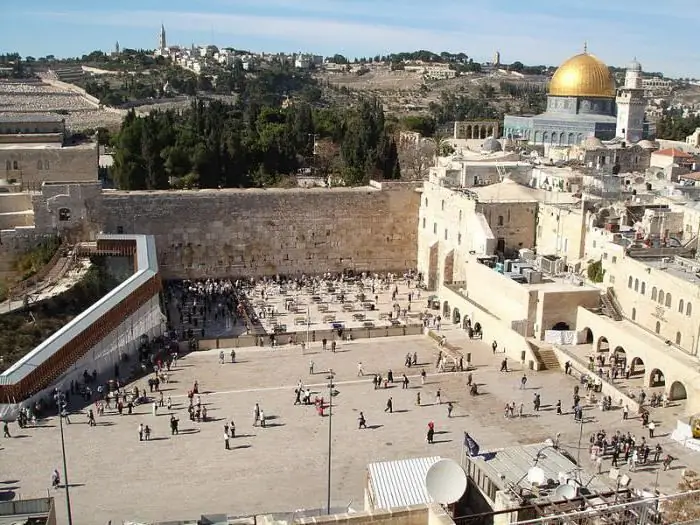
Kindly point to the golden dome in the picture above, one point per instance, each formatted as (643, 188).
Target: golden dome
(582, 76)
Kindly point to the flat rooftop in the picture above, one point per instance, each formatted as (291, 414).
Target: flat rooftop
(679, 267)
(30, 117)
(508, 467)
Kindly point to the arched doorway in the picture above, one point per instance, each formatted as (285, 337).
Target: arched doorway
(588, 333)
(636, 367)
(619, 357)
(456, 317)
(446, 310)
(677, 391)
(561, 325)
(603, 345)
(657, 378)
(465, 322)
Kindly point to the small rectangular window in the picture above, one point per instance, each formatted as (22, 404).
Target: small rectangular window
(459, 238)
(423, 222)
(614, 259)
(445, 233)
(435, 227)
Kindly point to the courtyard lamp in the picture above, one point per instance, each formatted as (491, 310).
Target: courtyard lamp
(60, 398)
(330, 436)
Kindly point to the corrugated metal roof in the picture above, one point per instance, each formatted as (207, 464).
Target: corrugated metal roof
(147, 267)
(514, 462)
(400, 483)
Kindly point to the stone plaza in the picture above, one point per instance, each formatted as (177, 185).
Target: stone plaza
(283, 467)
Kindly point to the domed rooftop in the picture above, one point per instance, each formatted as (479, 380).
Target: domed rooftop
(491, 145)
(647, 144)
(592, 143)
(634, 66)
(583, 75)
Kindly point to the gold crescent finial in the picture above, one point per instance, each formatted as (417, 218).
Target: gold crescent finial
(585, 46)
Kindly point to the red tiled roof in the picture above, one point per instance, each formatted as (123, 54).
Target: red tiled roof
(673, 152)
(691, 176)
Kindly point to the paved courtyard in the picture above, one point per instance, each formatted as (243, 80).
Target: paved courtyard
(115, 477)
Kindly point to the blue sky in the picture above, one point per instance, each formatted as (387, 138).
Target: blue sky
(661, 34)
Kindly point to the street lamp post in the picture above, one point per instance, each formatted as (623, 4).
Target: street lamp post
(61, 400)
(330, 436)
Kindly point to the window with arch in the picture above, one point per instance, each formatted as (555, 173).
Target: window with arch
(15, 165)
(688, 309)
(634, 314)
(508, 214)
(680, 306)
(39, 165)
(653, 293)
(435, 227)
(661, 297)
(46, 164)
(423, 222)
(658, 327)
(668, 300)
(629, 282)
(426, 202)
(500, 220)
(442, 205)
(644, 288)
(678, 338)
(636, 285)
(460, 215)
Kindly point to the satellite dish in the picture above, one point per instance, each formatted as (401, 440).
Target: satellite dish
(565, 492)
(536, 476)
(446, 481)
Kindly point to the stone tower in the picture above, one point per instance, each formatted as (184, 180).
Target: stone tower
(116, 48)
(631, 105)
(162, 43)
(497, 58)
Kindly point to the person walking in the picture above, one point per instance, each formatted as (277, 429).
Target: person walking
(651, 427)
(170, 403)
(438, 399)
(226, 444)
(262, 418)
(389, 406)
(360, 370)
(422, 376)
(155, 408)
(404, 382)
(6, 430)
(233, 356)
(431, 432)
(657, 452)
(311, 368)
(450, 407)
(417, 398)
(361, 421)
(140, 431)
(625, 413)
(256, 414)
(504, 365)
(559, 407)
(523, 382)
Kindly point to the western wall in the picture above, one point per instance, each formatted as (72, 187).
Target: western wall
(250, 232)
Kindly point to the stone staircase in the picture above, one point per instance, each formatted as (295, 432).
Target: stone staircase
(546, 358)
(608, 305)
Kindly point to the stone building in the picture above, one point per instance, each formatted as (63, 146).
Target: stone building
(34, 149)
(581, 103)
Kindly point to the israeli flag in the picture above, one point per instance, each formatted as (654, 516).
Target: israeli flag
(471, 445)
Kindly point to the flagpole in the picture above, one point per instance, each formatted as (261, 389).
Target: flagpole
(461, 459)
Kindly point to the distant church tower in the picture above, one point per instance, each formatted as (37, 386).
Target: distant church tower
(497, 58)
(162, 43)
(116, 48)
(631, 105)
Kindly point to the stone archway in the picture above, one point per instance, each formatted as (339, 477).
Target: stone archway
(589, 336)
(561, 326)
(456, 317)
(637, 367)
(619, 357)
(677, 391)
(657, 378)
(465, 322)
(446, 310)
(603, 345)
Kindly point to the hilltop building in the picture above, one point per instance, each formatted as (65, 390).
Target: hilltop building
(583, 102)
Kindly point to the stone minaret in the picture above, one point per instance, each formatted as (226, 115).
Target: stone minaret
(631, 105)
(116, 48)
